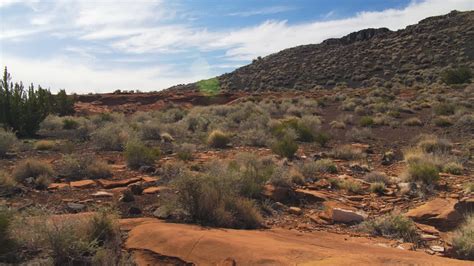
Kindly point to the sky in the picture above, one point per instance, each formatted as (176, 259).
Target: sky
(99, 46)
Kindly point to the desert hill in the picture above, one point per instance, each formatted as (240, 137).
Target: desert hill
(370, 57)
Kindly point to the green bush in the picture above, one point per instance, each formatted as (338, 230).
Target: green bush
(423, 171)
(7, 141)
(456, 75)
(218, 139)
(70, 123)
(453, 168)
(185, 151)
(137, 154)
(321, 138)
(285, 147)
(325, 166)
(463, 241)
(377, 187)
(366, 121)
(303, 131)
(392, 226)
(31, 168)
(352, 186)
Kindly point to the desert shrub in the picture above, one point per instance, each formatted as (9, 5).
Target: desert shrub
(7, 183)
(43, 181)
(377, 177)
(456, 75)
(70, 123)
(51, 123)
(347, 152)
(321, 138)
(31, 168)
(256, 137)
(366, 121)
(469, 187)
(433, 144)
(443, 121)
(444, 109)
(166, 137)
(352, 186)
(325, 166)
(44, 145)
(466, 123)
(453, 168)
(463, 240)
(413, 122)
(150, 131)
(218, 139)
(285, 147)
(393, 226)
(212, 200)
(111, 137)
(362, 134)
(335, 183)
(304, 128)
(423, 171)
(137, 154)
(7, 141)
(8, 245)
(281, 177)
(377, 187)
(185, 151)
(251, 172)
(76, 167)
(337, 124)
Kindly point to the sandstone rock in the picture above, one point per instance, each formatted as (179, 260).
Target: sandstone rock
(437, 248)
(117, 183)
(87, 183)
(148, 180)
(57, 186)
(439, 213)
(161, 212)
(295, 210)
(340, 215)
(427, 229)
(154, 190)
(281, 194)
(102, 194)
(310, 195)
(406, 246)
(465, 205)
(427, 237)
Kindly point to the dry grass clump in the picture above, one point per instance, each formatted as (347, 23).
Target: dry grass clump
(7, 183)
(413, 122)
(378, 187)
(469, 187)
(185, 151)
(69, 241)
(7, 141)
(444, 109)
(150, 131)
(337, 124)
(137, 154)
(218, 139)
(443, 121)
(433, 144)
(325, 166)
(347, 152)
(463, 241)
(212, 199)
(77, 167)
(360, 134)
(44, 145)
(377, 177)
(8, 246)
(393, 226)
(40, 172)
(454, 168)
(422, 171)
(352, 186)
(366, 121)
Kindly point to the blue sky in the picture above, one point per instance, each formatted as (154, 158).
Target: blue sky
(99, 46)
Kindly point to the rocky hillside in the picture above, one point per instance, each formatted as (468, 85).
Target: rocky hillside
(369, 57)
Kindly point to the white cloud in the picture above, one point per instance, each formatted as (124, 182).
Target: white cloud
(263, 11)
(79, 77)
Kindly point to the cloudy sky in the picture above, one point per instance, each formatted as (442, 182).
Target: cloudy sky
(99, 46)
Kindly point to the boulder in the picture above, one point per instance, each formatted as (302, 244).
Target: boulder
(438, 212)
(310, 195)
(295, 210)
(340, 215)
(57, 186)
(117, 183)
(75, 207)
